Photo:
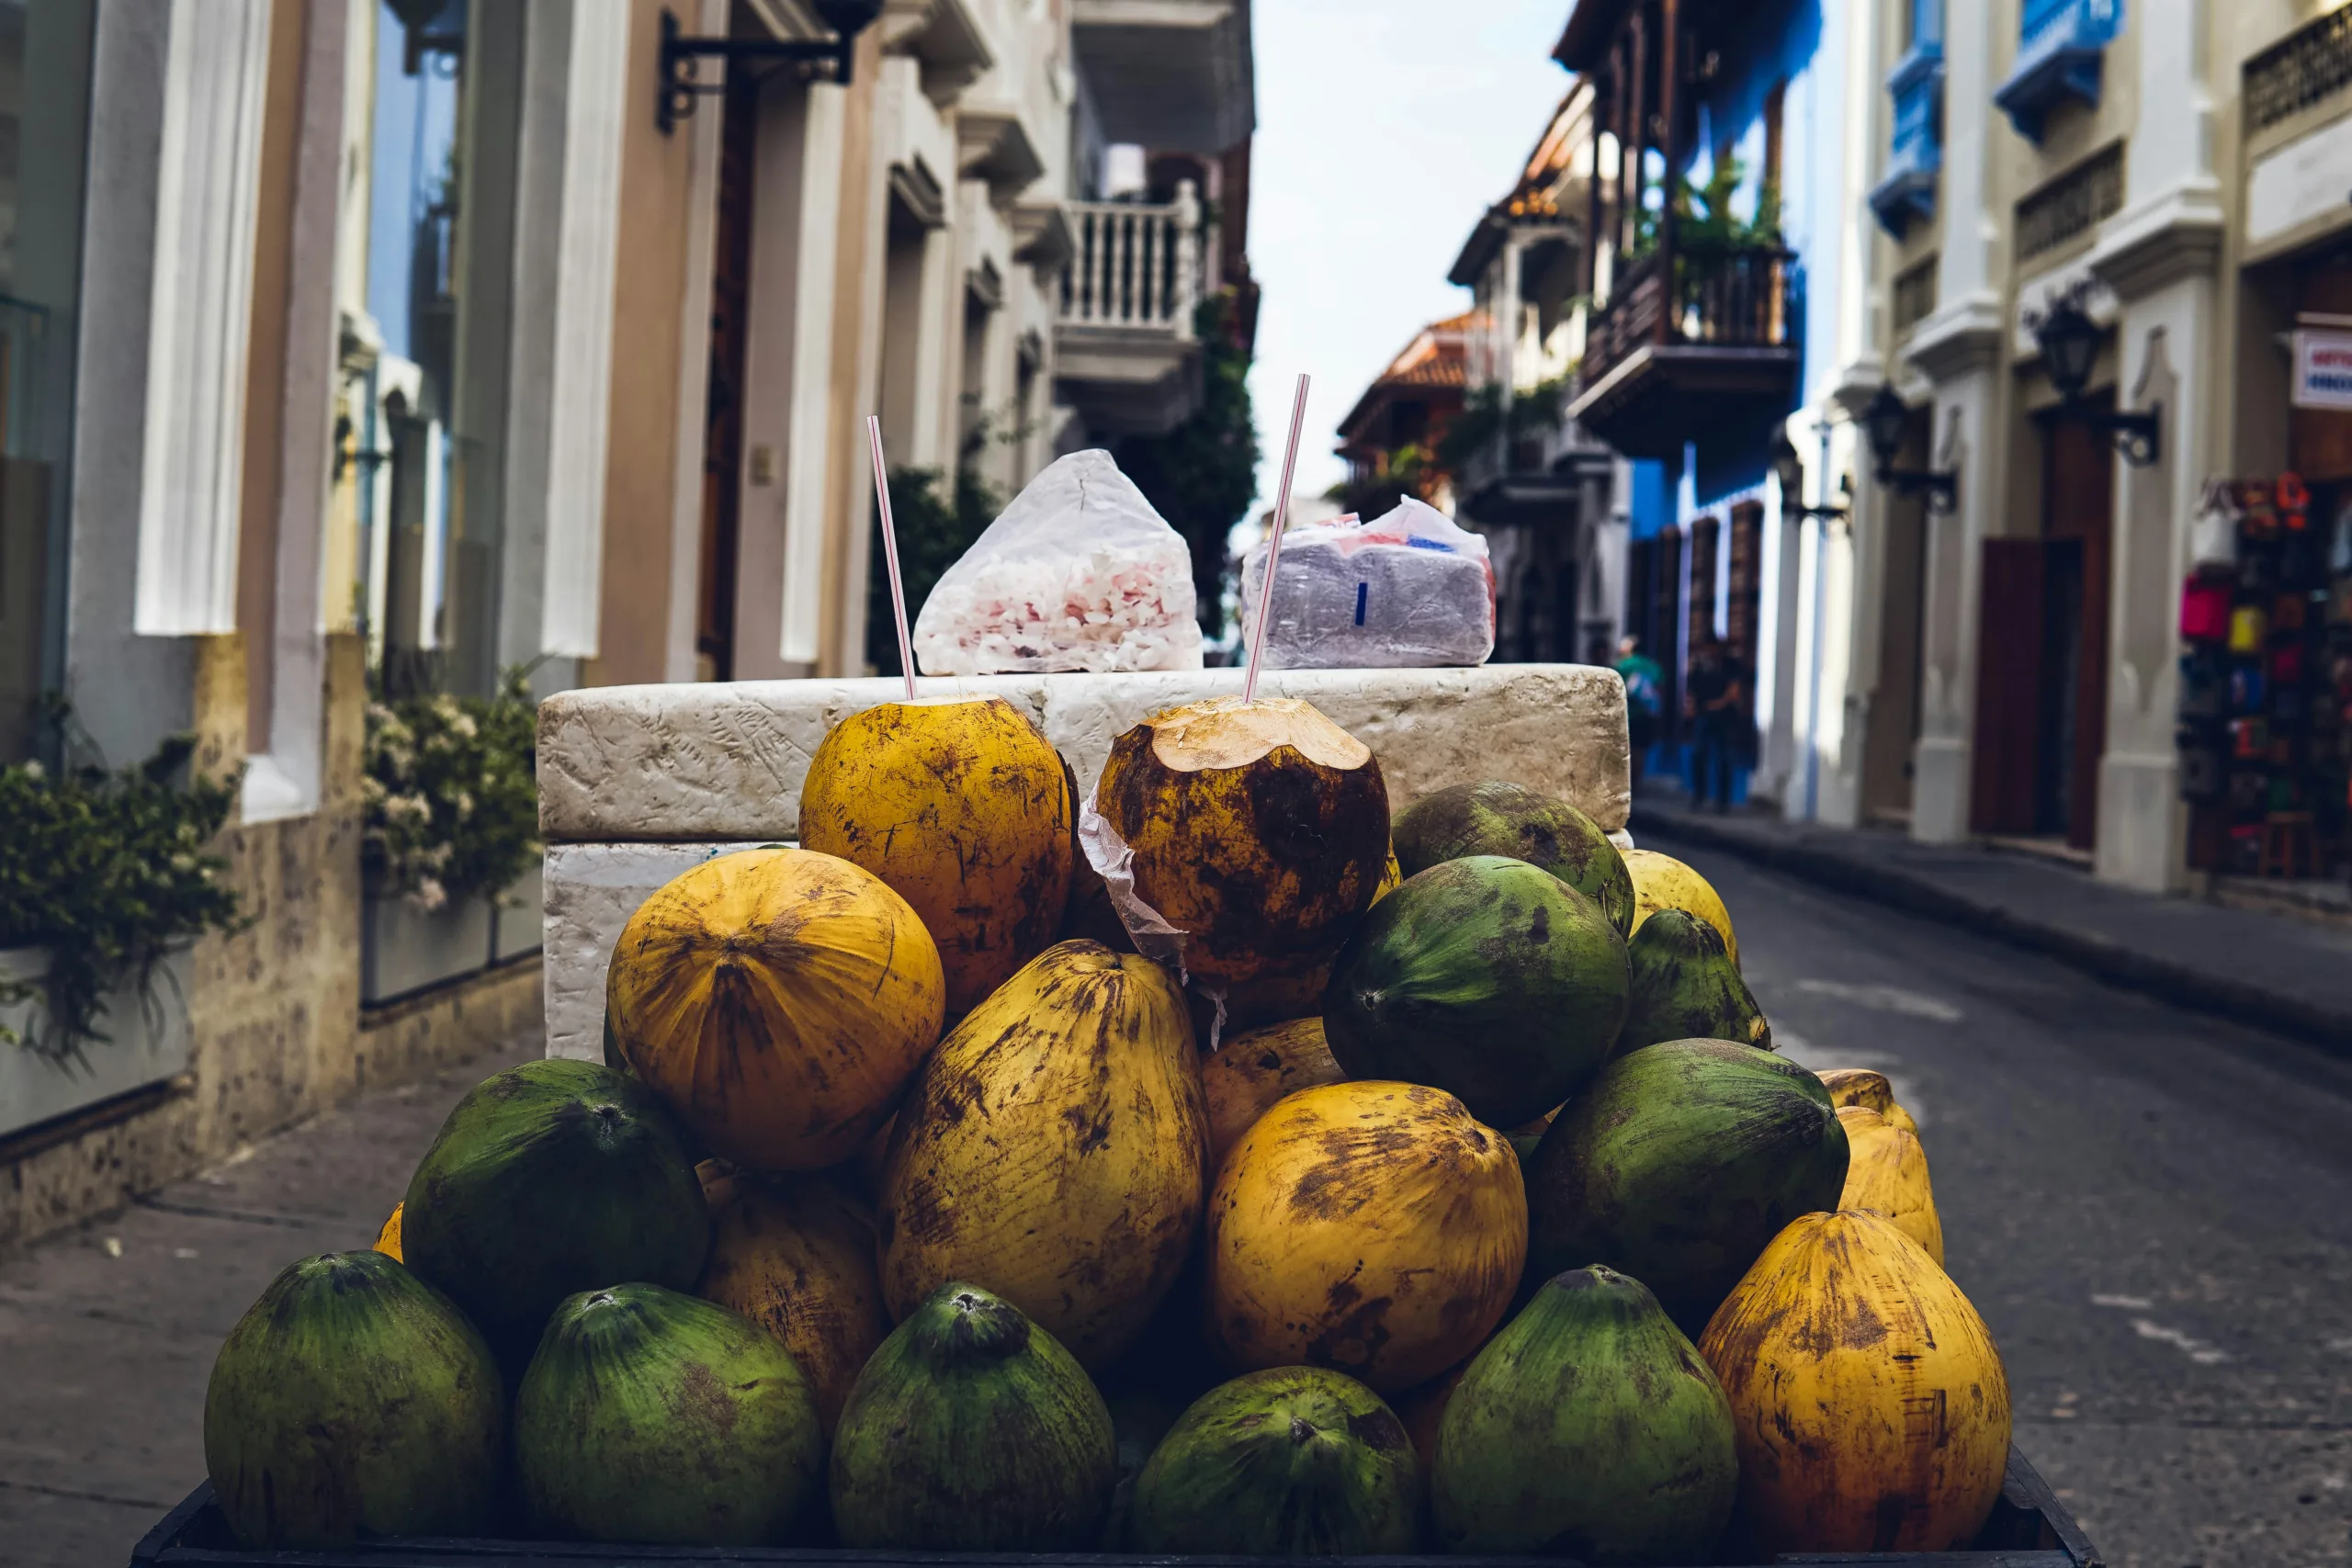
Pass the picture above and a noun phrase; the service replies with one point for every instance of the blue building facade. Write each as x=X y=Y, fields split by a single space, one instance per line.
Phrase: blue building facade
x=1746 y=143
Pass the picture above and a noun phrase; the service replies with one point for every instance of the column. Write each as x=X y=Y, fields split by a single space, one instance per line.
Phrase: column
x=2159 y=254
x=1959 y=350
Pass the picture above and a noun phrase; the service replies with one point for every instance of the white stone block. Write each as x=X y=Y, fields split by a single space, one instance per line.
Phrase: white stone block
x=724 y=762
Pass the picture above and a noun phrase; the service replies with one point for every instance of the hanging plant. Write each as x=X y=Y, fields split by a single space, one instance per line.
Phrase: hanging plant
x=107 y=872
x=452 y=795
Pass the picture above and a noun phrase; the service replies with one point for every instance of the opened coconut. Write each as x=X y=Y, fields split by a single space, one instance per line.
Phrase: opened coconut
x=965 y=809
x=779 y=1000
x=1260 y=830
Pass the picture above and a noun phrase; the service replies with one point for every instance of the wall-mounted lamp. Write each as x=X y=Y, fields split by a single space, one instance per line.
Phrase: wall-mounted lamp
x=2069 y=342
x=1882 y=421
x=678 y=89
x=1789 y=468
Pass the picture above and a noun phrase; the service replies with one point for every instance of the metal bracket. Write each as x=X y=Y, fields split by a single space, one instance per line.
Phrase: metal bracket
x=677 y=88
x=1940 y=486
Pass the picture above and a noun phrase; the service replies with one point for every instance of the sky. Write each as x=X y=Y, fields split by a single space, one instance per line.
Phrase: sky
x=1382 y=135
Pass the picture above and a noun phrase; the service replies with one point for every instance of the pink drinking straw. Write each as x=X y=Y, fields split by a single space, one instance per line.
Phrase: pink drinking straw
x=890 y=551
x=1273 y=546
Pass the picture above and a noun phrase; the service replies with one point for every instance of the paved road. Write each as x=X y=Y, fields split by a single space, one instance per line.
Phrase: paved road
x=107 y=1334
x=2152 y=1208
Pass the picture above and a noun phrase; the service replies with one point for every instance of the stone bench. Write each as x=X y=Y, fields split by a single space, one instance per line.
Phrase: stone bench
x=637 y=783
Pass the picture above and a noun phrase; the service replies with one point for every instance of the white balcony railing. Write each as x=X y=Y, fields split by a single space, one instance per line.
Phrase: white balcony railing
x=1138 y=267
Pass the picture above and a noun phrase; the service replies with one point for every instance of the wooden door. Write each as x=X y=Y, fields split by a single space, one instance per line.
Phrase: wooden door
x=722 y=448
x=2008 y=680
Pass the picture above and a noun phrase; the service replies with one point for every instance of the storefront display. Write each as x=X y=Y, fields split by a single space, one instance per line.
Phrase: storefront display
x=2266 y=680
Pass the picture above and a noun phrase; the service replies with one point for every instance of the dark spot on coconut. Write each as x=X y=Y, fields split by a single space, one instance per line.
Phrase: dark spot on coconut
x=1301 y=1429
x=1379 y=1430
x=1270 y=1061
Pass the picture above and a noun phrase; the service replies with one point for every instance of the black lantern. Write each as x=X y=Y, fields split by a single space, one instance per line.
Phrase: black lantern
x=2069 y=342
x=1882 y=421
x=678 y=89
x=1789 y=468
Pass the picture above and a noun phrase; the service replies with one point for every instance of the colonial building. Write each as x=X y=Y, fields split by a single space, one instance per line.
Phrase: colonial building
x=1530 y=478
x=2109 y=289
x=1728 y=289
x=406 y=342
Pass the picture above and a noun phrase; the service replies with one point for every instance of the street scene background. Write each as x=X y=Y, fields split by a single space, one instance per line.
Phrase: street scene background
x=1930 y=412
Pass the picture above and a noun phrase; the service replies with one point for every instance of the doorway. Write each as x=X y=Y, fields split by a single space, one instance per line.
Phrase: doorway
x=722 y=448
x=2041 y=697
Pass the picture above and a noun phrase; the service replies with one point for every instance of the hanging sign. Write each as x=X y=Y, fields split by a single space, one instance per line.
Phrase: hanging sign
x=2323 y=369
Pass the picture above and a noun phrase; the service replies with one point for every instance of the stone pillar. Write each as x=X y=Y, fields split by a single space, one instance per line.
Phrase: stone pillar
x=2159 y=254
x=1967 y=410
x=1959 y=350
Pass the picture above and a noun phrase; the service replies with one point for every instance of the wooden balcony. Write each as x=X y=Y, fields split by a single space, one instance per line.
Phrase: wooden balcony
x=1695 y=347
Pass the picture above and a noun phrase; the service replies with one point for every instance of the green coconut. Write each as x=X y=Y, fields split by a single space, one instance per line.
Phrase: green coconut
x=1497 y=818
x=1486 y=977
x=551 y=1179
x=654 y=1418
x=1685 y=987
x=1587 y=1428
x=1677 y=1164
x=1295 y=1461
x=353 y=1400
x=971 y=1430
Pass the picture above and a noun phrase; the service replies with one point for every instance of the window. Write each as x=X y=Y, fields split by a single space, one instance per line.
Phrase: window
x=44 y=113
x=1914 y=151
x=421 y=413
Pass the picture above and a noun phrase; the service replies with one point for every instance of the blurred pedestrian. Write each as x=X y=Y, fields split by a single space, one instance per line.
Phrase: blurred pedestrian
x=1716 y=702
x=1645 y=699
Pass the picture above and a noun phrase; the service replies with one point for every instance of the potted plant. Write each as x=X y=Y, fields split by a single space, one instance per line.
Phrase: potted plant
x=451 y=840
x=104 y=878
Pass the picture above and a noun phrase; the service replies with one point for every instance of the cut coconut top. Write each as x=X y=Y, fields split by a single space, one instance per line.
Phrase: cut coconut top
x=1226 y=732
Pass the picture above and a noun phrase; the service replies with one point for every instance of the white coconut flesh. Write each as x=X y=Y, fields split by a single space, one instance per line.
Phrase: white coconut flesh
x=1226 y=732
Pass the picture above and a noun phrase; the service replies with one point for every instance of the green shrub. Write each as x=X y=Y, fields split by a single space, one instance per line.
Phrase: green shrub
x=108 y=872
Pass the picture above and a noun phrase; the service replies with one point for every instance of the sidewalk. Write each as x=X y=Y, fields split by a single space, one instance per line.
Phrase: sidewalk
x=2292 y=976
x=108 y=1333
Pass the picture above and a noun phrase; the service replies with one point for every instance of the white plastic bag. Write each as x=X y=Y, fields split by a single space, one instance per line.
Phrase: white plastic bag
x=1078 y=573
x=1409 y=589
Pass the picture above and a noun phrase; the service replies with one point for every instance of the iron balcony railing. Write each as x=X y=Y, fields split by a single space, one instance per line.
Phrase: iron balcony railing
x=1741 y=299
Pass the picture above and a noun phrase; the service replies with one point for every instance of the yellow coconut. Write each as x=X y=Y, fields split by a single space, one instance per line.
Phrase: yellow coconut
x=1253 y=1070
x=1661 y=882
x=1869 y=1405
x=1053 y=1151
x=1392 y=877
x=794 y=1254
x=388 y=1240
x=1372 y=1227
x=779 y=1000
x=1888 y=1175
x=1259 y=830
x=965 y=810
x=1859 y=1086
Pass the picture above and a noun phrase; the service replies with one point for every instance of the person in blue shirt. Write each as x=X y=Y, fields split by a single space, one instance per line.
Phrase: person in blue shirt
x=1645 y=699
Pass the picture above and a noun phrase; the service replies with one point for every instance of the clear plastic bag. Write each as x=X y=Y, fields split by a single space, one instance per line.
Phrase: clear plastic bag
x=1078 y=573
x=1409 y=589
